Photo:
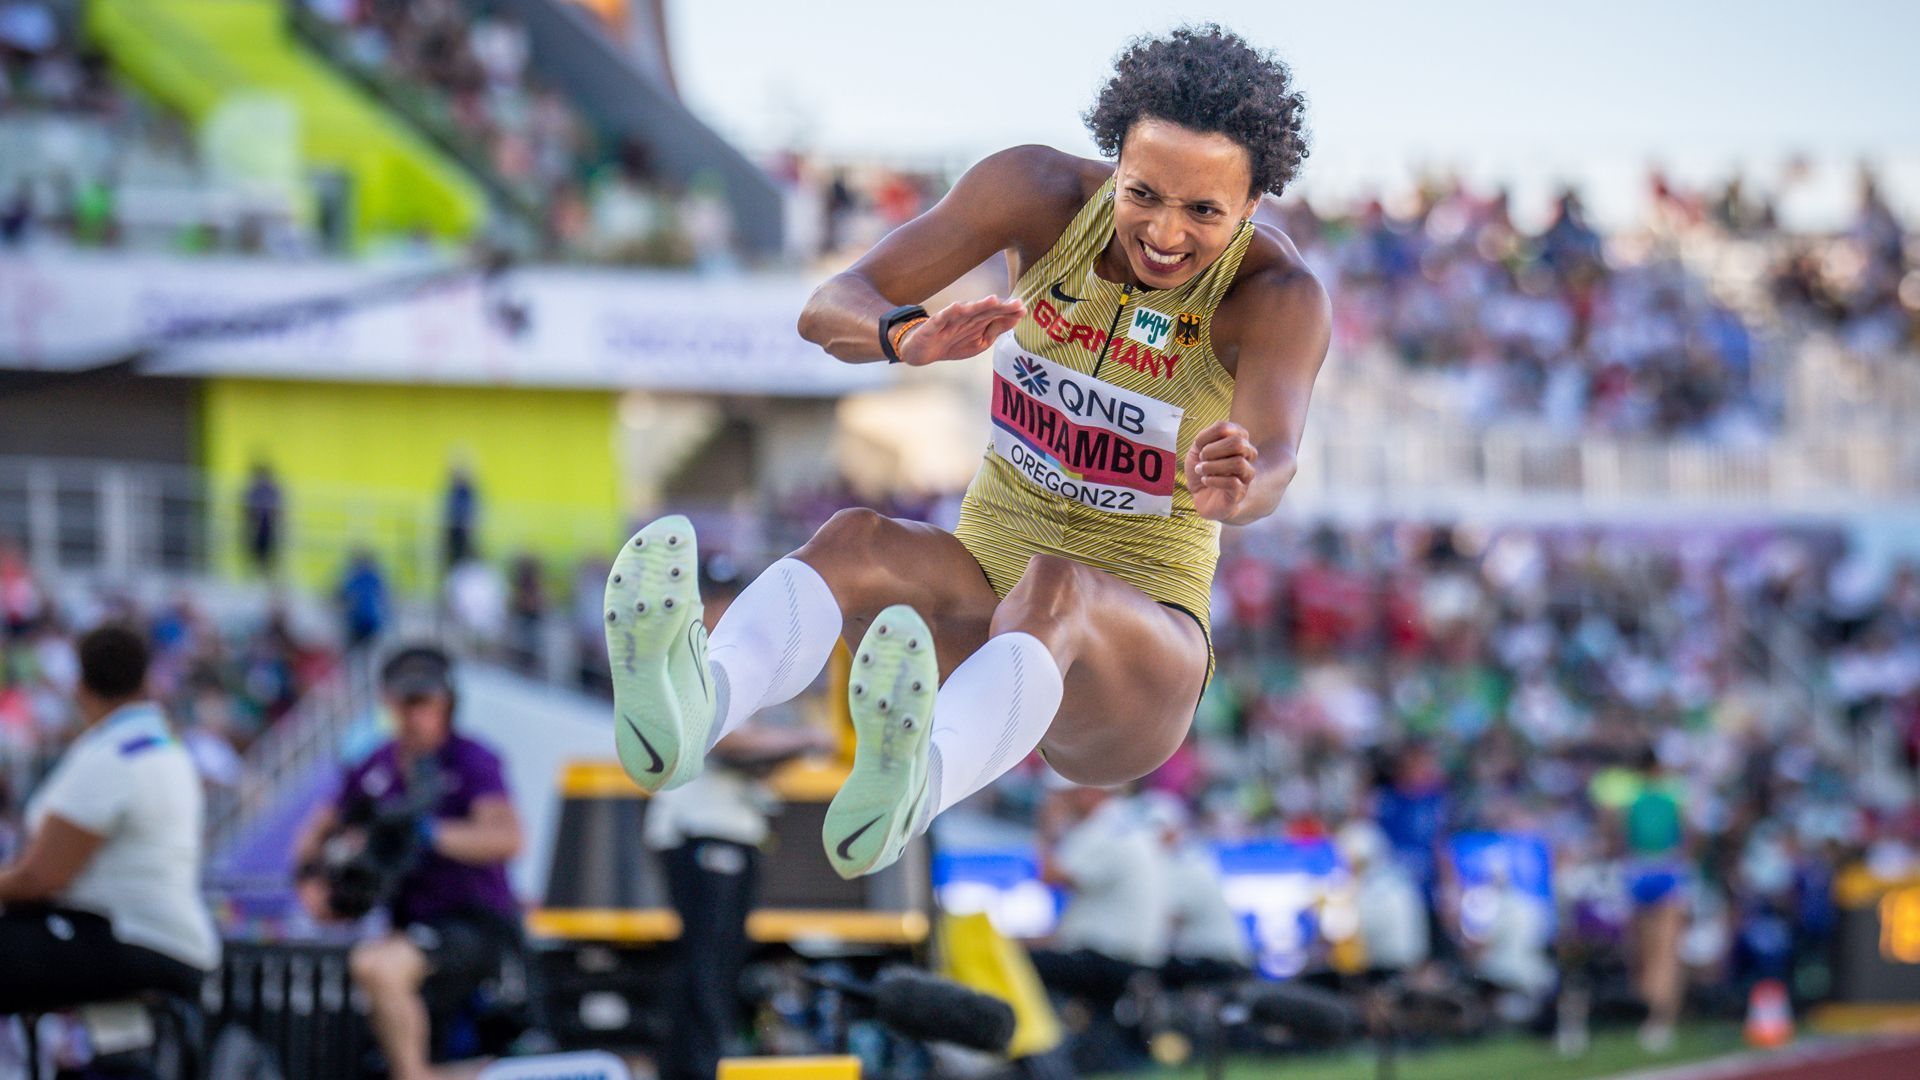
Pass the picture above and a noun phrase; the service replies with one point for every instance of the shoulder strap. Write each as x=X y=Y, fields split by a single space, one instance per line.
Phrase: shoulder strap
x=1089 y=228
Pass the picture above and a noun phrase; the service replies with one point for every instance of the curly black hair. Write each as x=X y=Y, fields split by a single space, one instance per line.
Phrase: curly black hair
x=1208 y=79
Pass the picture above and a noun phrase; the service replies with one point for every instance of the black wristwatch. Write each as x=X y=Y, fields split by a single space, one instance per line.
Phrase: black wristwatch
x=892 y=319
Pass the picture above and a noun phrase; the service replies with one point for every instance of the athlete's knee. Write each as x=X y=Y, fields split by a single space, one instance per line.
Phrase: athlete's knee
x=851 y=537
x=1051 y=588
x=1050 y=602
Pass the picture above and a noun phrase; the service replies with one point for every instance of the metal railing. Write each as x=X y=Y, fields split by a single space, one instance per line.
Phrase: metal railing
x=115 y=521
x=1841 y=472
x=287 y=753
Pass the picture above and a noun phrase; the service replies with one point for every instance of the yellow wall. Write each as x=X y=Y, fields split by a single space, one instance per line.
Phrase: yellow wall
x=368 y=463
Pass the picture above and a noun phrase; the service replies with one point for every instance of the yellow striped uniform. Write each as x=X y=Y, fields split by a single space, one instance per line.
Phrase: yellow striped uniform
x=1098 y=393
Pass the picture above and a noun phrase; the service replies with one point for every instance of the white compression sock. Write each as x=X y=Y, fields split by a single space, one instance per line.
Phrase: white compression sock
x=775 y=637
x=991 y=713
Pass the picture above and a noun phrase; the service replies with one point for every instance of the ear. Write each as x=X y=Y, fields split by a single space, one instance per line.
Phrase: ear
x=1247 y=211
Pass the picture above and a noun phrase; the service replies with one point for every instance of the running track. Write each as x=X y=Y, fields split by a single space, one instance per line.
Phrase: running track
x=1867 y=1059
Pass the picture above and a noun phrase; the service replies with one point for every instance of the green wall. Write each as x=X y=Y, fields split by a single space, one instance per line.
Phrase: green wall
x=195 y=55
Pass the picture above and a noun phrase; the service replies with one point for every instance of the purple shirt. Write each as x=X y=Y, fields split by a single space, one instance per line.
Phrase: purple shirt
x=439 y=886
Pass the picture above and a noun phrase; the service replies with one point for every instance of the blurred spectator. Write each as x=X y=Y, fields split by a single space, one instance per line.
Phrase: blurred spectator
x=1392 y=915
x=1510 y=952
x=454 y=922
x=1118 y=918
x=104 y=900
x=1658 y=882
x=261 y=511
x=709 y=834
x=362 y=598
x=1209 y=943
x=1411 y=808
x=526 y=615
x=476 y=602
x=460 y=517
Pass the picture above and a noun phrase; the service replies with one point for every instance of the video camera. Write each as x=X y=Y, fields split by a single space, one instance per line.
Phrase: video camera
x=362 y=877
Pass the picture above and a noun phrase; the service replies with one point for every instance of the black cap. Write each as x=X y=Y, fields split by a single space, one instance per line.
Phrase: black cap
x=417 y=671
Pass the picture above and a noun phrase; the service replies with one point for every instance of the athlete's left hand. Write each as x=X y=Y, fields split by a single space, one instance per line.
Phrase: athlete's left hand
x=1220 y=469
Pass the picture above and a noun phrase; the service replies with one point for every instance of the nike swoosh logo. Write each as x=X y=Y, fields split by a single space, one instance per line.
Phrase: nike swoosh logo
x=657 y=765
x=842 y=851
x=1058 y=294
x=694 y=629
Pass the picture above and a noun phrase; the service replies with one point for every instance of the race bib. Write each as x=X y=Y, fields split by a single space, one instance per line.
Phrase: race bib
x=1083 y=439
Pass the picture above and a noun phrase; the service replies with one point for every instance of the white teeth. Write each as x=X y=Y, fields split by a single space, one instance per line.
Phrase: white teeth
x=1158 y=259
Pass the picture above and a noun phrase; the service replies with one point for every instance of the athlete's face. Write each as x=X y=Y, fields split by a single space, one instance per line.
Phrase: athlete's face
x=1178 y=197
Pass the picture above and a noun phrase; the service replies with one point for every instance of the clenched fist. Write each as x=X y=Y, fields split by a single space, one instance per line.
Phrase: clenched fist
x=1220 y=469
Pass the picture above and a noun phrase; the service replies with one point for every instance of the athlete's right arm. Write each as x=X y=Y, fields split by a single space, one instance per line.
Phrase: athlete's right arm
x=985 y=213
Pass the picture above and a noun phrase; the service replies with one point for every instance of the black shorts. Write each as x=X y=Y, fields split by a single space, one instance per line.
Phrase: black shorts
x=56 y=958
x=463 y=951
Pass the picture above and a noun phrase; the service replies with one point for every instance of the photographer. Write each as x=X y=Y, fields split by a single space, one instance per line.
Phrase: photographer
x=424 y=827
x=104 y=901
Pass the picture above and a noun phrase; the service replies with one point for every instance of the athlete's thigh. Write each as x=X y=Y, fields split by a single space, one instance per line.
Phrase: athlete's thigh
x=1131 y=689
x=873 y=562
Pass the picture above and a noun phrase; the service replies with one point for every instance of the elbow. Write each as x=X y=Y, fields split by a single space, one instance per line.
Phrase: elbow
x=809 y=324
x=813 y=321
x=1285 y=469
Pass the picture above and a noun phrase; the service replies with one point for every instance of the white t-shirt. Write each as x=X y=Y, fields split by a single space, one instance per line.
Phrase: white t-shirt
x=1516 y=945
x=719 y=804
x=1204 y=927
x=129 y=780
x=1119 y=904
x=1393 y=919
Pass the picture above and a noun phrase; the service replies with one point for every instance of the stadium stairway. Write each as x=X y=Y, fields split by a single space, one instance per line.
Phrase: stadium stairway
x=201 y=58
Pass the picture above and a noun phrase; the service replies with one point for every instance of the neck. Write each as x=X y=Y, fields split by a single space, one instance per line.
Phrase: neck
x=1113 y=265
x=95 y=710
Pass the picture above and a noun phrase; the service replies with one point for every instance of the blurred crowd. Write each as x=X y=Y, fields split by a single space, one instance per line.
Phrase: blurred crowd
x=1393 y=687
x=837 y=210
x=43 y=70
x=595 y=196
x=224 y=679
x=1566 y=326
x=1862 y=285
x=1551 y=325
x=1721 y=718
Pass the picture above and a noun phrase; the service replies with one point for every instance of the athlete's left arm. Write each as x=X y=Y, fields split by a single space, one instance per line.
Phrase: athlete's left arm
x=1279 y=322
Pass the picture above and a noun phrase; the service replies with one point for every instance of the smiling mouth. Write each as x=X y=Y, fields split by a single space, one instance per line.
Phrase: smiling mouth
x=1160 y=261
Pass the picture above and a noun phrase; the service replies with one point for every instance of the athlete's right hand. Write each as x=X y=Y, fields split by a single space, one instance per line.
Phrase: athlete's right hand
x=959 y=331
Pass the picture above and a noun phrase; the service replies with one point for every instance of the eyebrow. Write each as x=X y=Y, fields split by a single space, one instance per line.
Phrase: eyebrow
x=1209 y=203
